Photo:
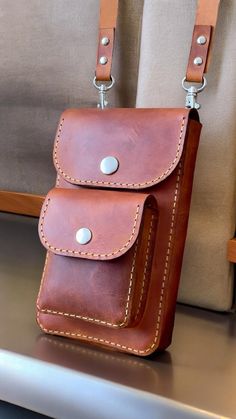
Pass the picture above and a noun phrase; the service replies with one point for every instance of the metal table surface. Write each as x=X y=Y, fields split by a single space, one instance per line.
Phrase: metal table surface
x=67 y=379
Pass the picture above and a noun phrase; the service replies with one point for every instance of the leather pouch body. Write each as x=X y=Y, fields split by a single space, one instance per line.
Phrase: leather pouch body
x=104 y=282
x=85 y=295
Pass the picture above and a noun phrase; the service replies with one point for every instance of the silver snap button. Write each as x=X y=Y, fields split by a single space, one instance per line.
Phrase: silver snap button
x=83 y=235
x=109 y=165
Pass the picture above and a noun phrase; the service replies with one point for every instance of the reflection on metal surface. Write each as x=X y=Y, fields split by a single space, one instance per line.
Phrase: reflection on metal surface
x=124 y=369
x=199 y=369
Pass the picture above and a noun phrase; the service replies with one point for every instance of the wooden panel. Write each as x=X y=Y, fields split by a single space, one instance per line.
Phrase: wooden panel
x=21 y=203
x=231 y=250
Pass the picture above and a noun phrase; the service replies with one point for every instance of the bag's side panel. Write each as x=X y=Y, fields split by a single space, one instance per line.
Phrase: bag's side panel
x=177 y=233
x=207 y=277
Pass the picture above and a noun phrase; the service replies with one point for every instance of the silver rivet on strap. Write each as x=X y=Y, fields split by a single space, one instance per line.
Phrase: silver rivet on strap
x=109 y=165
x=105 y=41
x=83 y=235
x=198 y=61
x=103 y=60
x=201 y=40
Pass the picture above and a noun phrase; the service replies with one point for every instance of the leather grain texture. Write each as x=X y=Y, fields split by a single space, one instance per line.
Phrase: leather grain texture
x=105 y=281
x=114 y=219
x=134 y=135
x=48 y=62
x=153 y=331
x=207 y=277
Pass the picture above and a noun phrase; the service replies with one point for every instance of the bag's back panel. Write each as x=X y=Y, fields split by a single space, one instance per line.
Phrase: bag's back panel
x=207 y=277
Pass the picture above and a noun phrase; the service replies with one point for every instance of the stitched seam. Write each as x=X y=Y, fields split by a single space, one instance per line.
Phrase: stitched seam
x=92 y=182
x=128 y=301
x=58 y=180
x=147 y=258
x=167 y=259
x=42 y=281
x=61 y=313
x=77 y=252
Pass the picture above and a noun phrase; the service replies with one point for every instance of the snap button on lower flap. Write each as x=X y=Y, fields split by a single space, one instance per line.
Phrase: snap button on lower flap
x=83 y=235
x=109 y=165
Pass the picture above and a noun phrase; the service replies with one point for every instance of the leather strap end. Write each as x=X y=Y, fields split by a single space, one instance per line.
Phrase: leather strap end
x=199 y=53
x=107 y=26
x=105 y=52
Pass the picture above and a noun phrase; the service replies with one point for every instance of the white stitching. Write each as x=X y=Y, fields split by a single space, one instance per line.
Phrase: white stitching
x=58 y=180
x=61 y=313
x=73 y=315
x=145 y=269
x=77 y=252
x=117 y=345
x=42 y=280
x=92 y=182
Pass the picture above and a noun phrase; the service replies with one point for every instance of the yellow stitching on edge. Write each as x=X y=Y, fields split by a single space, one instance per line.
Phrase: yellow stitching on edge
x=75 y=252
x=104 y=341
x=97 y=320
x=92 y=182
x=128 y=297
x=145 y=268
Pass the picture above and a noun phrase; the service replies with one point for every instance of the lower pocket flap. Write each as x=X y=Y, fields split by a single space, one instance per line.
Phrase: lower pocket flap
x=110 y=219
x=104 y=280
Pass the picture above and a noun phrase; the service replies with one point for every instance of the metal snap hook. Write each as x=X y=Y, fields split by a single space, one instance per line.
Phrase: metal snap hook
x=103 y=88
x=192 y=92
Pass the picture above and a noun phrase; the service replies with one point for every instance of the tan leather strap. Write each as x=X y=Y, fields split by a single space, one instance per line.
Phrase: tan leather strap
x=107 y=26
x=200 y=52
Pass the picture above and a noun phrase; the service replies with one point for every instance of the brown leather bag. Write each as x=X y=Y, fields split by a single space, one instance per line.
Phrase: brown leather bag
x=115 y=225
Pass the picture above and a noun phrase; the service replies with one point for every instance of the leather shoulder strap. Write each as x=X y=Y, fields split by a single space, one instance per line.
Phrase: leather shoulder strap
x=200 y=51
x=107 y=26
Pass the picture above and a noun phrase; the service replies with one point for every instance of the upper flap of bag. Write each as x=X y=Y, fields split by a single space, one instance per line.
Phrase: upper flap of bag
x=91 y=224
x=119 y=148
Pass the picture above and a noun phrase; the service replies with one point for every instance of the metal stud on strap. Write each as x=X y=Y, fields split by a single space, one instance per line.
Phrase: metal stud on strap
x=200 y=51
x=103 y=80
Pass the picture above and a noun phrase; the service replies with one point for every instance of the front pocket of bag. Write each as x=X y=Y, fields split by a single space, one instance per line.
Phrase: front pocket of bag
x=104 y=281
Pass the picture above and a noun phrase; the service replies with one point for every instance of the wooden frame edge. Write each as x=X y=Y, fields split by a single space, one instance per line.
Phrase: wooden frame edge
x=21 y=203
x=231 y=250
x=30 y=204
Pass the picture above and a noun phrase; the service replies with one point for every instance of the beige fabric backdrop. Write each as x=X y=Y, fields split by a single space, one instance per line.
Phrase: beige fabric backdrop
x=48 y=55
x=207 y=277
x=48 y=51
